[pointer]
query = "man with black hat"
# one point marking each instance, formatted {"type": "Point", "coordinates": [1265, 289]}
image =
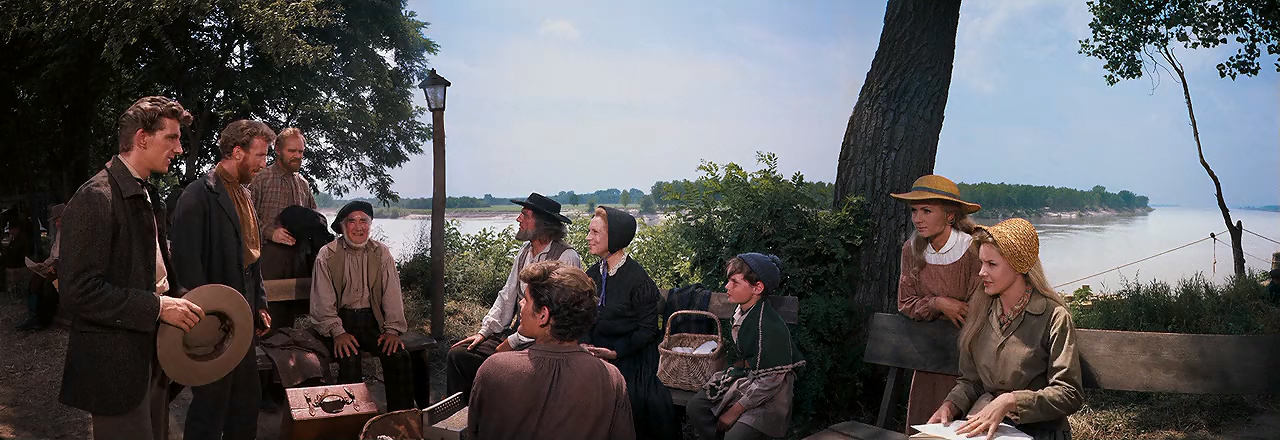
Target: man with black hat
{"type": "Point", "coordinates": [356, 301]}
{"type": "Point", "coordinates": [543, 228]}
{"type": "Point", "coordinates": [216, 241]}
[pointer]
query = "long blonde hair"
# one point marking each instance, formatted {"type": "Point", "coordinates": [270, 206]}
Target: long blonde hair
{"type": "Point", "coordinates": [980, 303]}
{"type": "Point", "coordinates": [960, 221]}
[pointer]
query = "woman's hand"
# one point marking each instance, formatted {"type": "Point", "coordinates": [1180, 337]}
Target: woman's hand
{"type": "Point", "coordinates": [945, 413]}
{"type": "Point", "coordinates": [954, 309]}
{"type": "Point", "coordinates": [988, 420]}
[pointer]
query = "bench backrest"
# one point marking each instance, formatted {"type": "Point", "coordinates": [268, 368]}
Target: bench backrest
{"type": "Point", "coordinates": [1111, 360]}
{"type": "Point", "coordinates": [787, 306]}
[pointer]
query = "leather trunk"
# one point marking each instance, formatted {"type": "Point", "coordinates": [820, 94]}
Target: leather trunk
{"type": "Point", "coordinates": [327, 412]}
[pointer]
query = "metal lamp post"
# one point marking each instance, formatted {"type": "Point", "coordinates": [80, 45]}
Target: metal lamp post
{"type": "Point", "coordinates": [434, 87]}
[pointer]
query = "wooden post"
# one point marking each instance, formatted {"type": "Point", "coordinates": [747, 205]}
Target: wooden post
{"type": "Point", "coordinates": [437, 227]}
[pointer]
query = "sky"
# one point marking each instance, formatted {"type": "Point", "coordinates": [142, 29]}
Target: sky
{"type": "Point", "coordinates": [581, 95]}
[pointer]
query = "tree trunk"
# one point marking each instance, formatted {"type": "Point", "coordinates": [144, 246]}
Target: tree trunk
{"type": "Point", "coordinates": [892, 136]}
{"type": "Point", "coordinates": [1236, 230]}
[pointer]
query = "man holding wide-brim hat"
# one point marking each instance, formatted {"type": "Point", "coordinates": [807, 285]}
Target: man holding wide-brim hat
{"type": "Point", "coordinates": [216, 241]}
{"type": "Point", "coordinates": [543, 228]}
{"type": "Point", "coordinates": [116, 281]}
{"type": "Point", "coordinates": [356, 301]}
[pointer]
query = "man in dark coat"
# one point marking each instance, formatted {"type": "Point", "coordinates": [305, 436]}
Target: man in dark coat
{"type": "Point", "coordinates": [215, 241]}
{"type": "Point", "coordinates": [116, 281]}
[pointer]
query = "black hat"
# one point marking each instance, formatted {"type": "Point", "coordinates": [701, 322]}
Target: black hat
{"type": "Point", "coordinates": [622, 228]}
{"type": "Point", "coordinates": [542, 205]}
{"type": "Point", "coordinates": [351, 207]}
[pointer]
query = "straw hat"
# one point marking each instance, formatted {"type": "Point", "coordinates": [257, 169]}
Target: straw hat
{"type": "Point", "coordinates": [1017, 241]}
{"type": "Point", "coordinates": [215, 345]}
{"type": "Point", "coordinates": [935, 187]}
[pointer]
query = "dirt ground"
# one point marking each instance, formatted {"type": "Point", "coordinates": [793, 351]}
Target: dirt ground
{"type": "Point", "coordinates": [31, 374]}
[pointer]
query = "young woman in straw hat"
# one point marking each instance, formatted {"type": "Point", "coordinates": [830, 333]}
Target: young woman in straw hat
{"type": "Point", "coordinates": [939, 272]}
{"type": "Point", "coordinates": [1017, 351]}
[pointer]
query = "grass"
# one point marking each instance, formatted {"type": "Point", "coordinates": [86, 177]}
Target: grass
{"type": "Point", "coordinates": [1142, 416]}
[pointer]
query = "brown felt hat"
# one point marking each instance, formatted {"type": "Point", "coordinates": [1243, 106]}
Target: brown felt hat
{"type": "Point", "coordinates": [1017, 241]}
{"type": "Point", "coordinates": [215, 345]}
{"type": "Point", "coordinates": [935, 187]}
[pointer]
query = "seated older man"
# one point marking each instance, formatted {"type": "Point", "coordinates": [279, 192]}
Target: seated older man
{"type": "Point", "coordinates": [555, 389]}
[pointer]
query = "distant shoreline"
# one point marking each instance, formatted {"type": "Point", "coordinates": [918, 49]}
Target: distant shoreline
{"type": "Point", "coordinates": [996, 214]}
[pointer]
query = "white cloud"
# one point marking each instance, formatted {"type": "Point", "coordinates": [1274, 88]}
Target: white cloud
{"type": "Point", "coordinates": [559, 28]}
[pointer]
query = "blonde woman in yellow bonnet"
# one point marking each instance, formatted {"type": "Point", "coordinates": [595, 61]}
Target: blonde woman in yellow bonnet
{"type": "Point", "coordinates": [939, 272]}
{"type": "Point", "coordinates": [1003, 378]}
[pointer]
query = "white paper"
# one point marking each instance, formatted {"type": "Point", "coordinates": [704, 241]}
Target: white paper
{"type": "Point", "coordinates": [1004, 432]}
{"type": "Point", "coordinates": [682, 349]}
{"type": "Point", "coordinates": [706, 347]}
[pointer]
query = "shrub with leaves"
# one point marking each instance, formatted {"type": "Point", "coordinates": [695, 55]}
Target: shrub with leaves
{"type": "Point", "coordinates": [1193, 305]}
{"type": "Point", "coordinates": [732, 211]}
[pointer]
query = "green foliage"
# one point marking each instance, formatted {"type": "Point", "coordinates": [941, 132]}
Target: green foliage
{"type": "Point", "coordinates": [344, 71]}
{"type": "Point", "coordinates": [730, 211]}
{"type": "Point", "coordinates": [476, 267]}
{"type": "Point", "coordinates": [1003, 200]}
{"type": "Point", "coordinates": [1131, 37]}
{"type": "Point", "coordinates": [647, 206]}
{"type": "Point", "coordinates": [1193, 305]}
{"type": "Point", "coordinates": [624, 199]}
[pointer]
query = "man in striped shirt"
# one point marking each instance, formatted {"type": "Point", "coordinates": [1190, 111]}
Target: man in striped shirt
{"type": "Point", "coordinates": [275, 188]}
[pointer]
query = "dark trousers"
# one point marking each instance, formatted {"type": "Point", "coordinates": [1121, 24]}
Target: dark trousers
{"type": "Point", "coordinates": [149, 421]}
{"type": "Point", "coordinates": [42, 302]}
{"type": "Point", "coordinates": [462, 364]}
{"type": "Point", "coordinates": [703, 420]}
{"type": "Point", "coordinates": [397, 369]}
{"type": "Point", "coordinates": [226, 409]}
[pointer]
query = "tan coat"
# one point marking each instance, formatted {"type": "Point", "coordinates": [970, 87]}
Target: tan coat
{"type": "Point", "coordinates": [1034, 358]}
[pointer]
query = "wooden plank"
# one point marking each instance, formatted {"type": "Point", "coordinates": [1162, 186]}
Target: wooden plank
{"type": "Point", "coordinates": [415, 341]}
{"type": "Point", "coordinates": [856, 430]}
{"type": "Point", "coordinates": [1179, 363]}
{"type": "Point", "coordinates": [888, 401]}
{"type": "Point", "coordinates": [787, 306]}
{"type": "Point", "coordinates": [288, 289]}
{"type": "Point", "coordinates": [898, 341]}
{"type": "Point", "coordinates": [1112, 360]}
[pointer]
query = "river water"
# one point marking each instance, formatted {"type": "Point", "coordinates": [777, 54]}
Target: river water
{"type": "Point", "coordinates": [1070, 248]}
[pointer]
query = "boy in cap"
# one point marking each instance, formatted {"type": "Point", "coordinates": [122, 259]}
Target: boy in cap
{"type": "Point", "coordinates": [752, 398]}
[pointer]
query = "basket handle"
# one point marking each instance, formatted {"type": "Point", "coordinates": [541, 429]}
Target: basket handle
{"type": "Point", "coordinates": [692, 312]}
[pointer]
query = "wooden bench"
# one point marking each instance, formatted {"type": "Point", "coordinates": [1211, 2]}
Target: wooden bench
{"type": "Point", "coordinates": [787, 306]}
{"type": "Point", "coordinates": [1111, 360]}
{"type": "Point", "coordinates": [289, 299]}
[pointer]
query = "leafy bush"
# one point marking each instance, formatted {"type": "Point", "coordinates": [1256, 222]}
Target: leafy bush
{"type": "Point", "coordinates": [734, 211]}
{"type": "Point", "coordinates": [476, 267]}
{"type": "Point", "coordinates": [1193, 305]}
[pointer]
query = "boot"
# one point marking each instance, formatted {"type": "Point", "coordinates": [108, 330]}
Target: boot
{"type": "Point", "coordinates": [33, 303]}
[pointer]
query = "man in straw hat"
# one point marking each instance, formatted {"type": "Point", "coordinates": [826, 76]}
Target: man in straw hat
{"type": "Point", "coordinates": [356, 301]}
{"type": "Point", "coordinates": [42, 296]}
{"type": "Point", "coordinates": [542, 227]}
{"type": "Point", "coordinates": [117, 284]}
{"type": "Point", "coordinates": [216, 241]}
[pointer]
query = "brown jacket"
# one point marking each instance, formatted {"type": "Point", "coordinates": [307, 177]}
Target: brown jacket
{"type": "Point", "coordinates": [1034, 358]}
{"type": "Point", "coordinates": [549, 392]}
{"type": "Point", "coordinates": [110, 279]}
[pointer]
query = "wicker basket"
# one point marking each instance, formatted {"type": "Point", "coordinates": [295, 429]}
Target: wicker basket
{"type": "Point", "coordinates": [687, 371]}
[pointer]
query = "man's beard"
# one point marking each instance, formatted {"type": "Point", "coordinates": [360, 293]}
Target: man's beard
{"type": "Point", "coordinates": [525, 234]}
{"type": "Point", "coordinates": [293, 165]}
{"type": "Point", "coordinates": [245, 172]}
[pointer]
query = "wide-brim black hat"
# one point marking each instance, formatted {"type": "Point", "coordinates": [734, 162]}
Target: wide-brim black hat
{"type": "Point", "coordinates": [542, 205]}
